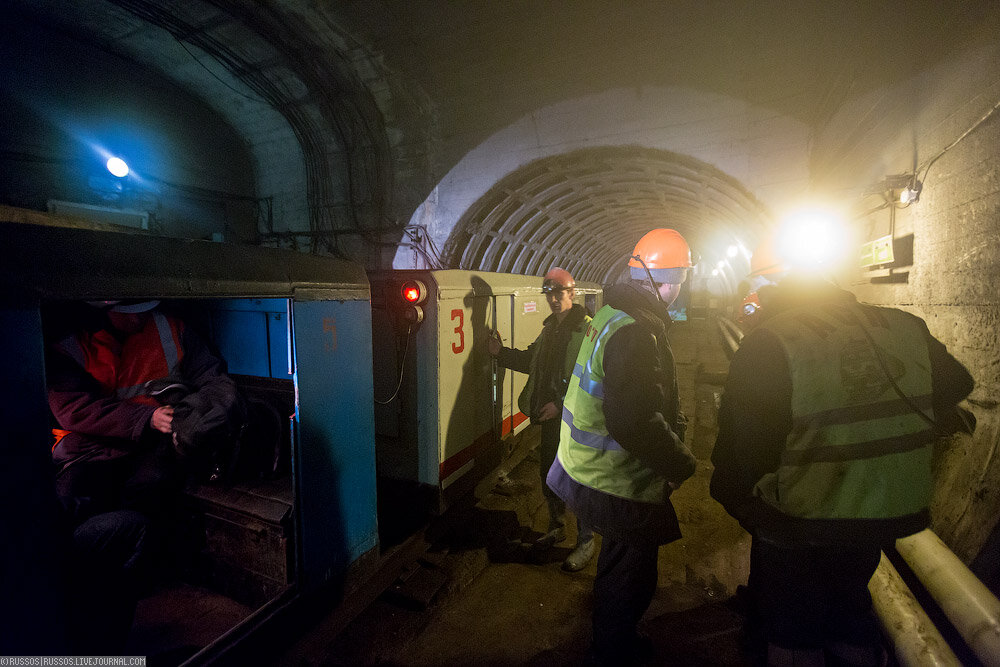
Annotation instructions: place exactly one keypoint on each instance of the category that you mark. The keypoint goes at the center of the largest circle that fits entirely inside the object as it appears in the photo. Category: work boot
(580, 556)
(555, 534)
(557, 525)
(584, 550)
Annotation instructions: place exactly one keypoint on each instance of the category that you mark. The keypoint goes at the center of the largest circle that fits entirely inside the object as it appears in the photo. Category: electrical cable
(402, 367)
(938, 429)
(962, 136)
(213, 74)
(652, 282)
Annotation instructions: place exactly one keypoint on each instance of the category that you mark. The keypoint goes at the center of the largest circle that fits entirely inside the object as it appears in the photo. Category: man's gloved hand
(494, 344)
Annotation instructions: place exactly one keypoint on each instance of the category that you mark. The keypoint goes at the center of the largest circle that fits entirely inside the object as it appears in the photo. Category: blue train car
(296, 333)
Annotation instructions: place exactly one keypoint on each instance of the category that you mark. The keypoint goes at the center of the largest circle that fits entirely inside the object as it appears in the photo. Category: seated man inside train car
(142, 402)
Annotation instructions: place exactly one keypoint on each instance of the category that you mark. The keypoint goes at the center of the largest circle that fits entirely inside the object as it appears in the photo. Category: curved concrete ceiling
(585, 210)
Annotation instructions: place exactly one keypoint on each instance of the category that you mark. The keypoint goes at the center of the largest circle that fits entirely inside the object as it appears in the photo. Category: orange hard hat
(662, 249)
(765, 260)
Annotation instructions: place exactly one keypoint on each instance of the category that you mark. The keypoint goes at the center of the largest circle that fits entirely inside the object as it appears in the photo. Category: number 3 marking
(458, 314)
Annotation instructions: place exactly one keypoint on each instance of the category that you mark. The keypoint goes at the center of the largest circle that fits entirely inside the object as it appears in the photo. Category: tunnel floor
(502, 604)
(480, 596)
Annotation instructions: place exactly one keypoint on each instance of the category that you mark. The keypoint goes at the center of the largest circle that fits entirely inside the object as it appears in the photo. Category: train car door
(465, 376)
(333, 451)
(506, 382)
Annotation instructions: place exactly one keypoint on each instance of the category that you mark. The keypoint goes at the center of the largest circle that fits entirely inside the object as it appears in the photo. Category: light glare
(812, 239)
(117, 167)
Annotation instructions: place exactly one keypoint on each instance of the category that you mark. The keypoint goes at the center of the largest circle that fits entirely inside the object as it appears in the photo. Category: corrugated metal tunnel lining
(585, 210)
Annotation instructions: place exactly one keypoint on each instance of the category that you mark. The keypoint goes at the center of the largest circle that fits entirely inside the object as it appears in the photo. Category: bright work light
(117, 167)
(812, 239)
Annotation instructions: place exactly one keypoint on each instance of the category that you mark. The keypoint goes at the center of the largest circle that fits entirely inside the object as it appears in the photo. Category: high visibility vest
(123, 370)
(587, 452)
(857, 450)
(572, 349)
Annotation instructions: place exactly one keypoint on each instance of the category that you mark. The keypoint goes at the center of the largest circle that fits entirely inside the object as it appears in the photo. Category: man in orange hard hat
(621, 449)
(549, 363)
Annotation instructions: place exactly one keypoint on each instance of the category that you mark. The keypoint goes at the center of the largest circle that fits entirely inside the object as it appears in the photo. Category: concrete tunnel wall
(952, 280)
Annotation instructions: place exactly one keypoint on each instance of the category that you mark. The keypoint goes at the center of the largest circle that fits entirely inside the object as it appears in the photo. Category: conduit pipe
(968, 604)
(914, 638)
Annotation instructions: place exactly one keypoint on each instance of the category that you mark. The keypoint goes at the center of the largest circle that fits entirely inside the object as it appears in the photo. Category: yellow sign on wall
(877, 252)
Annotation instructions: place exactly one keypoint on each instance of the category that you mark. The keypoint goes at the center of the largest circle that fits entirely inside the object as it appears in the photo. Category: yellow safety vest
(857, 450)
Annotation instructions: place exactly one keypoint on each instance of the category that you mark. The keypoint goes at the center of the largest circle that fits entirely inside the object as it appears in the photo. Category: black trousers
(809, 596)
(623, 588)
(89, 481)
(108, 570)
(548, 447)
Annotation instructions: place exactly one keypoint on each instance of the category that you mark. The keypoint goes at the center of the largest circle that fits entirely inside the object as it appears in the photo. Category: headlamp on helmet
(554, 287)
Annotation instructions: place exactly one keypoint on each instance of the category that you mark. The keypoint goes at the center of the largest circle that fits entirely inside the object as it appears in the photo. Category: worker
(823, 454)
(621, 448)
(549, 364)
(124, 450)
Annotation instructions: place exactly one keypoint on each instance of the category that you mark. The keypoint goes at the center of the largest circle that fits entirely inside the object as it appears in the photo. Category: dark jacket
(641, 410)
(105, 426)
(545, 361)
(755, 418)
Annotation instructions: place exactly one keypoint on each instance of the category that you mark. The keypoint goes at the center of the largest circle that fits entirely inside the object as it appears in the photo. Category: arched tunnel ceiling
(584, 211)
(384, 97)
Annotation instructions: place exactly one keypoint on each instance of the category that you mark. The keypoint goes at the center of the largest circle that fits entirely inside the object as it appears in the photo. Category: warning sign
(530, 307)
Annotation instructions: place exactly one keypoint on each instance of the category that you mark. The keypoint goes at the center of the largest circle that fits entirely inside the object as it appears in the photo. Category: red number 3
(458, 314)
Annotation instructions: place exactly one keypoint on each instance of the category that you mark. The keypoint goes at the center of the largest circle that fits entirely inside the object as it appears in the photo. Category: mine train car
(323, 497)
(446, 415)
(295, 330)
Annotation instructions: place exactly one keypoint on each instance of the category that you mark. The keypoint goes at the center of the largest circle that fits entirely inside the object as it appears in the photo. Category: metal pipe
(968, 604)
(914, 638)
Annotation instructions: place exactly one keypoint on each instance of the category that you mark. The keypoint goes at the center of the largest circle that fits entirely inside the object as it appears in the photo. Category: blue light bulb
(117, 167)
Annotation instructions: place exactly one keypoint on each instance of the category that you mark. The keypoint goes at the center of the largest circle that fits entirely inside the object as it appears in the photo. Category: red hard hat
(662, 249)
(560, 276)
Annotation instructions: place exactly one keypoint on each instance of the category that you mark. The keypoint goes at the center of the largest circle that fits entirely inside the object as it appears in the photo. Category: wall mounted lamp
(899, 190)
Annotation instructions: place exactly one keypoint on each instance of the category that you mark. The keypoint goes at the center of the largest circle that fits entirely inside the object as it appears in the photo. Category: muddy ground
(495, 602)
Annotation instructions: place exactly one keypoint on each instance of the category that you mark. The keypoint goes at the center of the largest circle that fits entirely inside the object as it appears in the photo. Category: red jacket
(122, 368)
(93, 378)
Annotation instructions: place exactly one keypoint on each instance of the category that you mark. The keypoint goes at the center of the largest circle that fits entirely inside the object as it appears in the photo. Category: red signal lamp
(413, 292)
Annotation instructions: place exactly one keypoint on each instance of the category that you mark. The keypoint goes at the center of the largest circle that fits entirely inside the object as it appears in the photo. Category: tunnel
(516, 137)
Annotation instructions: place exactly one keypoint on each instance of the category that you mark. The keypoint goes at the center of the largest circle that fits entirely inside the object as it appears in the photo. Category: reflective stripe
(596, 352)
(859, 450)
(587, 384)
(167, 341)
(125, 393)
(604, 443)
(865, 412)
